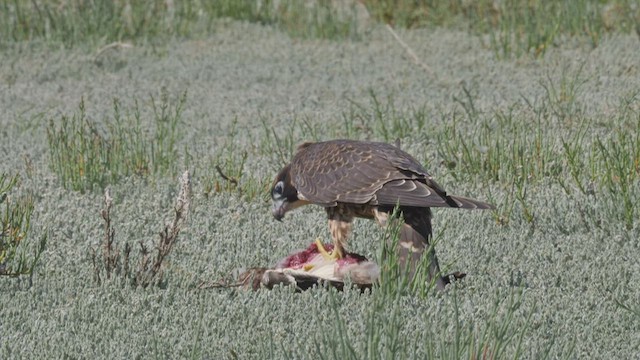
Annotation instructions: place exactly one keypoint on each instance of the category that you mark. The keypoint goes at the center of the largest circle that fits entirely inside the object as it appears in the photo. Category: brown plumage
(366, 179)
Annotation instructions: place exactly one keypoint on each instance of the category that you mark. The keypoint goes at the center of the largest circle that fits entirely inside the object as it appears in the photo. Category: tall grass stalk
(620, 161)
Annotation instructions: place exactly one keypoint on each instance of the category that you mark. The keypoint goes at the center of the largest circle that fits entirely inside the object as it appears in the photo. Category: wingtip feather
(466, 203)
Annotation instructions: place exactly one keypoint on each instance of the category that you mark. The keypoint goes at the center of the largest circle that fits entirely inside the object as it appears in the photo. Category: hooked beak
(278, 210)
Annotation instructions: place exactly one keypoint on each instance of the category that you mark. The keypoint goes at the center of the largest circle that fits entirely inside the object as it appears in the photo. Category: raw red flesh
(299, 259)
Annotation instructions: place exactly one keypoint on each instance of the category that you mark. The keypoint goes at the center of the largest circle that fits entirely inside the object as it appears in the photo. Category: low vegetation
(112, 260)
(512, 28)
(87, 154)
(18, 253)
(548, 147)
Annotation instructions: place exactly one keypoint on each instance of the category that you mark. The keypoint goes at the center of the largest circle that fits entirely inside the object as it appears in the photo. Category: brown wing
(416, 193)
(342, 171)
(361, 172)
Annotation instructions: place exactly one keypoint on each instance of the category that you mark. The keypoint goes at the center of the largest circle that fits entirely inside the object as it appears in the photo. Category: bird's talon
(328, 256)
(325, 254)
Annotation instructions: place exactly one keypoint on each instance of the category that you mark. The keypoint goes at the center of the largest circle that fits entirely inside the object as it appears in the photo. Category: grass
(514, 149)
(100, 23)
(515, 28)
(384, 334)
(384, 331)
(619, 158)
(396, 279)
(382, 120)
(552, 274)
(226, 170)
(87, 154)
(15, 223)
(501, 148)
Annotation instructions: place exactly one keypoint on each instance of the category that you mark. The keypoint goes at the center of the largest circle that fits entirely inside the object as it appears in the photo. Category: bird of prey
(368, 180)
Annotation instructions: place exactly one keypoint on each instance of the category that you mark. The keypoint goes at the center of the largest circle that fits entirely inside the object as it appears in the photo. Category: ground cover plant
(84, 156)
(513, 27)
(105, 105)
(14, 231)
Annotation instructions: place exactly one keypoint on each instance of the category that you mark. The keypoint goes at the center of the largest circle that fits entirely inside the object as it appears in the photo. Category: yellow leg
(339, 227)
(329, 256)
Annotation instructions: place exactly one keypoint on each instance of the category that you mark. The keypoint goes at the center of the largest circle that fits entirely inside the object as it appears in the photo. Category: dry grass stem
(114, 45)
(111, 256)
(416, 60)
(111, 253)
(148, 272)
(150, 266)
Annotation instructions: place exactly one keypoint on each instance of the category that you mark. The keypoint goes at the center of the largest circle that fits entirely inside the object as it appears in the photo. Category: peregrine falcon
(368, 180)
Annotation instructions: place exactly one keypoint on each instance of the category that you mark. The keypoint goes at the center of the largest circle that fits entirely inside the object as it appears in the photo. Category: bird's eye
(278, 188)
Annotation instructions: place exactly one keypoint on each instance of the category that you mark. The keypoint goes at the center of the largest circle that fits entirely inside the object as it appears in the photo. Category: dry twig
(249, 279)
(225, 177)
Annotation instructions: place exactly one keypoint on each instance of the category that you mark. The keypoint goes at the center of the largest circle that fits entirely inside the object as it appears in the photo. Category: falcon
(368, 180)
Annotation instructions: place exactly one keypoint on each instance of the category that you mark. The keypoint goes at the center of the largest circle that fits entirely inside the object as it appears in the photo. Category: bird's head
(284, 194)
